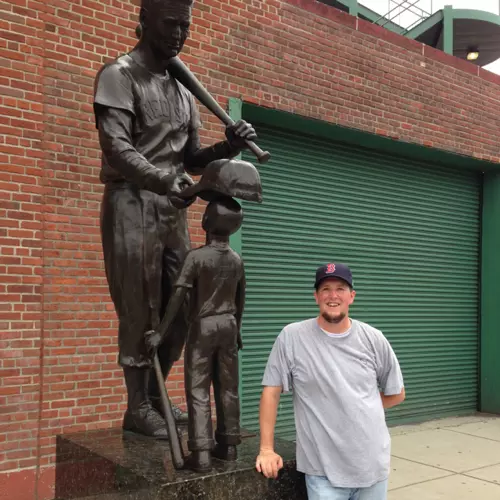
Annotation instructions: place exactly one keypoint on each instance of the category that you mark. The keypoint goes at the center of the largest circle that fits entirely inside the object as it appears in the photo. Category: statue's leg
(198, 369)
(227, 403)
(127, 260)
(176, 246)
(141, 417)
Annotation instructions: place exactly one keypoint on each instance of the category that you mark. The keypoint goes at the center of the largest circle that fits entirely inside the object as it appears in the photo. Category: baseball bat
(173, 436)
(182, 73)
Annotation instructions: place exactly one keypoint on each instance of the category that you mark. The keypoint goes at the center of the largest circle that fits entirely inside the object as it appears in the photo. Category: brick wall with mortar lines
(58, 367)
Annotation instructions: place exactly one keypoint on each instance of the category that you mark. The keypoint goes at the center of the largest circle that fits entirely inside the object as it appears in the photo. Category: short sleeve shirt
(336, 383)
(215, 274)
(164, 112)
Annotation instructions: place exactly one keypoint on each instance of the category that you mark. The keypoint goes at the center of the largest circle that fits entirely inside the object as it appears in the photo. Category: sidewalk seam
(425, 481)
(479, 468)
(427, 465)
(481, 479)
(474, 435)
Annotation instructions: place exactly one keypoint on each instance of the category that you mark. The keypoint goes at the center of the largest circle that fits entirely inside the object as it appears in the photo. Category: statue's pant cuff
(228, 439)
(200, 444)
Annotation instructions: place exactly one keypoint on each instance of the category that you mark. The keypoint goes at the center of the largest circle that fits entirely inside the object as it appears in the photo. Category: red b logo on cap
(330, 268)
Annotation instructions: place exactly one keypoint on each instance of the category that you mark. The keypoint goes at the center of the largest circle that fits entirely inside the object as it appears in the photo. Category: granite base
(113, 465)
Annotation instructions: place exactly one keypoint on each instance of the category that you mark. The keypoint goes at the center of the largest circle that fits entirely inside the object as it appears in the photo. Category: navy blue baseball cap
(333, 270)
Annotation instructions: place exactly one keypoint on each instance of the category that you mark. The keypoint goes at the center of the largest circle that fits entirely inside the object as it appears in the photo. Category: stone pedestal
(111, 465)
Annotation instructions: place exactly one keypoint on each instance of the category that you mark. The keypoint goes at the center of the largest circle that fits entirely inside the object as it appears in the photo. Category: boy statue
(214, 276)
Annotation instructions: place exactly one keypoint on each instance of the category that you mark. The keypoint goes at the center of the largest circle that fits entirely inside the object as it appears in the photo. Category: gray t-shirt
(336, 382)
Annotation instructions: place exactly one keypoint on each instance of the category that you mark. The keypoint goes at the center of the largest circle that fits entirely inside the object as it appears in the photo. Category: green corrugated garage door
(410, 232)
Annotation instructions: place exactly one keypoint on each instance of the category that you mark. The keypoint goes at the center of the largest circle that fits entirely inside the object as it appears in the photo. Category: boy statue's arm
(240, 305)
(154, 338)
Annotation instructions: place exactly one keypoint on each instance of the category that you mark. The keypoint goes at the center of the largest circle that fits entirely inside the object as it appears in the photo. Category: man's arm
(392, 400)
(277, 379)
(115, 138)
(240, 305)
(389, 376)
(268, 462)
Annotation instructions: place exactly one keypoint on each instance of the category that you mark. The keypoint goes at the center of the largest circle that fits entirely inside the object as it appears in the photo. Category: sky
(382, 7)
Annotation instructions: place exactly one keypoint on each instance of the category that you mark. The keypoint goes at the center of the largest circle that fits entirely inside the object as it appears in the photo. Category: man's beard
(333, 319)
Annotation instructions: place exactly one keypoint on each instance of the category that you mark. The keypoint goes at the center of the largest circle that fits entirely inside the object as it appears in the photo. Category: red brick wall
(58, 370)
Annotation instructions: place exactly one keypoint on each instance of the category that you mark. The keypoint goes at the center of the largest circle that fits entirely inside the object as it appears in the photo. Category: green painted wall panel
(490, 296)
(410, 232)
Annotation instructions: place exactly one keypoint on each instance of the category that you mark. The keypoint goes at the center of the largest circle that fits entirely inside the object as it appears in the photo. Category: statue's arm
(154, 338)
(175, 303)
(184, 283)
(197, 158)
(115, 137)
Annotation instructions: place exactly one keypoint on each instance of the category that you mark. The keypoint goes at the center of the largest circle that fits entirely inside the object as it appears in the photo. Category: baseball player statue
(148, 132)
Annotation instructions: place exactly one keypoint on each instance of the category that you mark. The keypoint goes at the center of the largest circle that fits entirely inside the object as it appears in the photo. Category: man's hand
(269, 463)
(153, 340)
(239, 132)
(175, 185)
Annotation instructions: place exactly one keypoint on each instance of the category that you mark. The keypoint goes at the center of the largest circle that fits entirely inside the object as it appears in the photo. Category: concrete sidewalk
(449, 459)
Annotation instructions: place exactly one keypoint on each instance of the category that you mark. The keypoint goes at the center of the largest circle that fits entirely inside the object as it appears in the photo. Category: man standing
(343, 373)
(148, 132)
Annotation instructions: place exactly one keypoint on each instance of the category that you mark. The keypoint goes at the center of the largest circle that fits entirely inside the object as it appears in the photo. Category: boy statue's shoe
(225, 452)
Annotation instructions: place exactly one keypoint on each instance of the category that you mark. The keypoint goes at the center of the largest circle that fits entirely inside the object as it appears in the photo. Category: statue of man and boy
(148, 131)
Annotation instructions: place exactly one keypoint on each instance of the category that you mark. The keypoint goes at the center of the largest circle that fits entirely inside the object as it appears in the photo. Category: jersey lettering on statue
(161, 103)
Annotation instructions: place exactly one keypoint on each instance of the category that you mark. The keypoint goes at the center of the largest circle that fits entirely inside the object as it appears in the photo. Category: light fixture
(472, 53)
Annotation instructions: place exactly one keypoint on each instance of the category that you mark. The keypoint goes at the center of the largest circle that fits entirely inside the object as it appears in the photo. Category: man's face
(334, 297)
(166, 28)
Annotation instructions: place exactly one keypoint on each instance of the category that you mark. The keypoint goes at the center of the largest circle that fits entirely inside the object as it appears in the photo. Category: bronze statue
(215, 278)
(148, 131)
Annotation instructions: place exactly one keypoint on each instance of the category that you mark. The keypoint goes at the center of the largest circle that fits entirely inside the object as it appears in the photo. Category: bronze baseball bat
(183, 74)
(173, 436)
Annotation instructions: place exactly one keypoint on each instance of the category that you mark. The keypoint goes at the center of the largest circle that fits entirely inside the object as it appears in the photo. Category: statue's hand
(239, 132)
(153, 341)
(175, 185)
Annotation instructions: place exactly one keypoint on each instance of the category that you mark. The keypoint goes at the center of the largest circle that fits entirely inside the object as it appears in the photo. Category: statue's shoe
(146, 421)
(225, 452)
(199, 461)
(181, 417)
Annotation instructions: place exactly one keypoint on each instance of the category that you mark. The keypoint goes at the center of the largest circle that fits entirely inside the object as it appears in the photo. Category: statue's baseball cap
(333, 270)
(235, 178)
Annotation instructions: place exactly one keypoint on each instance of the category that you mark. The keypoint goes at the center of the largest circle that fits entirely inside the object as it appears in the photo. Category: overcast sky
(406, 19)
